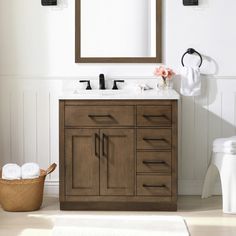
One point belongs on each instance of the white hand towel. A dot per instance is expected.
(30, 171)
(11, 171)
(190, 81)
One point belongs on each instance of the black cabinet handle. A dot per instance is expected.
(96, 140)
(99, 116)
(103, 119)
(155, 139)
(154, 186)
(155, 116)
(104, 142)
(154, 162)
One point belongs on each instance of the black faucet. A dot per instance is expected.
(88, 84)
(102, 81)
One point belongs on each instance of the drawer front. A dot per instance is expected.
(154, 162)
(154, 115)
(99, 116)
(151, 139)
(149, 185)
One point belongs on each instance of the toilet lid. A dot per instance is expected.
(225, 142)
(228, 150)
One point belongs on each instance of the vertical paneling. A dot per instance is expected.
(200, 137)
(17, 127)
(187, 142)
(214, 114)
(234, 113)
(30, 126)
(228, 114)
(54, 130)
(43, 128)
(5, 126)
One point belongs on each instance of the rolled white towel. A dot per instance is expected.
(11, 171)
(30, 171)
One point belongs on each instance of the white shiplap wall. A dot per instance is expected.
(29, 125)
(29, 122)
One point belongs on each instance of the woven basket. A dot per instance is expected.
(23, 194)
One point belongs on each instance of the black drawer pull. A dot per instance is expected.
(154, 162)
(154, 186)
(99, 116)
(96, 141)
(155, 116)
(104, 119)
(155, 139)
(104, 143)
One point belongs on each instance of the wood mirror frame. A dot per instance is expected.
(156, 59)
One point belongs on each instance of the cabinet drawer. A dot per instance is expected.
(153, 185)
(154, 162)
(99, 116)
(154, 115)
(154, 139)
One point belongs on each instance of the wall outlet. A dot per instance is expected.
(49, 2)
(190, 2)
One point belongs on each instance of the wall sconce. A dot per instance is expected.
(49, 2)
(190, 2)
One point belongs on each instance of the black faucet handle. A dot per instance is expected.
(115, 84)
(101, 76)
(102, 81)
(88, 84)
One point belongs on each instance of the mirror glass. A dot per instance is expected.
(118, 31)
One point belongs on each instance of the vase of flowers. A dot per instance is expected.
(166, 74)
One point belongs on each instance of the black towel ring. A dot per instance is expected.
(191, 51)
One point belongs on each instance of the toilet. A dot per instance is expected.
(223, 161)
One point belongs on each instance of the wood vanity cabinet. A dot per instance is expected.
(118, 155)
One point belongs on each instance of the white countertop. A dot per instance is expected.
(153, 94)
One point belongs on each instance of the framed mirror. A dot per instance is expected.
(118, 31)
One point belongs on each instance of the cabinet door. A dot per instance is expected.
(82, 161)
(117, 162)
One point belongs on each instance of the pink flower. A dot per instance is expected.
(164, 72)
(170, 73)
(161, 71)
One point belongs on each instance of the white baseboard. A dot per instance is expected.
(193, 187)
(186, 187)
(51, 189)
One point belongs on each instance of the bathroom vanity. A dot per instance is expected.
(118, 152)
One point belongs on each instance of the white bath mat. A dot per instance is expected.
(121, 225)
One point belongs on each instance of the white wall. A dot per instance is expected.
(38, 40)
(37, 62)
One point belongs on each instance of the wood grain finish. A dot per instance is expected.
(154, 116)
(99, 116)
(117, 162)
(159, 162)
(156, 59)
(151, 139)
(82, 162)
(105, 166)
(153, 185)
